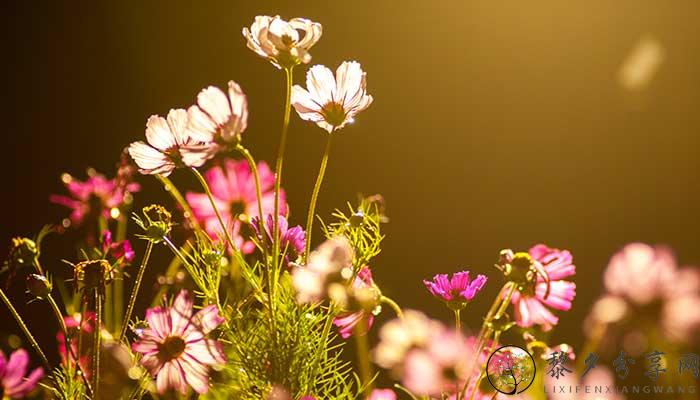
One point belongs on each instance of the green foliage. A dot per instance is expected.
(67, 386)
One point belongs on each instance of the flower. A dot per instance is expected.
(169, 146)
(174, 347)
(364, 290)
(279, 41)
(382, 394)
(532, 296)
(292, 240)
(233, 188)
(398, 336)
(331, 102)
(94, 198)
(13, 383)
(640, 273)
(79, 330)
(119, 250)
(328, 263)
(456, 293)
(216, 117)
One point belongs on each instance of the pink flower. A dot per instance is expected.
(169, 146)
(458, 291)
(13, 383)
(331, 102)
(217, 117)
(233, 188)
(382, 394)
(119, 250)
(175, 349)
(292, 240)
(347, 322)
(325, 264)
(93, 198)
(530, 302)
(279, 41)
(77, 328)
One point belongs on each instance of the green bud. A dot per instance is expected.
(93, 274)
(38, 285)
(357, 219)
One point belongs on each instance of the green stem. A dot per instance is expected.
(170, 272)
(135, 292)
(25, 330)
(180, 199)
(118, 283)
(314, 196)
(70, 354)
(393, 305)
(96, 341)
(205, 186)
(258, 191)
(363, 357)
(458, 320)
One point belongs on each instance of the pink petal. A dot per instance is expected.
(181, 312)
(159, 322)
(207, 319)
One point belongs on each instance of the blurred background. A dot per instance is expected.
(494, 125)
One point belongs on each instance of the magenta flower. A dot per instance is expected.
(93, 198)
(175, 350)
(292, 240)
(119, 250)
(169, 146)
(218, 117)
(458, 291)
(233, 187)
(530, 302)
(76, 329)
(13, 384)
(382, 394)
(347, 322)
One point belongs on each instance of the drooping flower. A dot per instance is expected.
(217, 117)
(119, 250)
(93, 198)
(233, 188)
(458, 291)
(13, 383)
(538, 276)
(324, 270)
(365, 295)
(331, 102)
(292, 240)
(280, 41)
(175, 349)
(169, 146)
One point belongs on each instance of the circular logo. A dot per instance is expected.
(510, 369)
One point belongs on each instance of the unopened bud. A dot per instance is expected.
(38, 285)
(357, 219)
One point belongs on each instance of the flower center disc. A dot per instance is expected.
(171, 348)
(333, 113)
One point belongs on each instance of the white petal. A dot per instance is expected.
(158, 133)
(177, 120)
(150, 160)
(321, 84)
(200, 126)
(214, 102)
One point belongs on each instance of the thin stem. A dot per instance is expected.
(96, 339)
(135, 292)
(205, 186)
(393, 305)
(258, 191)
(170, 272)
(180, 199)
(288, 72)
(314, 196)
(458, 320)
(69, 348)
(494, 345)
(363, 357)
(25, 330)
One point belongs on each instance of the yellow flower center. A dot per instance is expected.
(333, 113)
(171, 348)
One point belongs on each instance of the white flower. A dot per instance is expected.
(331, 102)
(332, 258)
(169, 146)
(279, 40)
(217, 117)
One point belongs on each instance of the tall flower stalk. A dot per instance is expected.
(25, 330)
(135, 291)
(314, 194)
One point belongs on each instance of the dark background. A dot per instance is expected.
(493, 126)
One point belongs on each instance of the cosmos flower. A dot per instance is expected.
(640, 273)
(329, 262)
(93, 198)
(217, 117)
(13, 383)
(169, 146)
(79, 330)
(292, 240)
(119, 250)
(531, 298)
(175, 349)
(363, 287)
(280, 41)
(331, 102)
(233, 188)
(458, 291)
(382, 394)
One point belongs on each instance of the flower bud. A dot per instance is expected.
(22, 252)
(93, 274)
(38, 285)
(357, 219)
(158, 222)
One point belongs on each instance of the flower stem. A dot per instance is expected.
(180, 199)
(25, 330)
(205, 186)
(314, 196)
(258, 191)
(96, 339)
(289, 75)
(393, 305)
(458, 320)
(70, 354)
(363, 358)
(135, 292)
